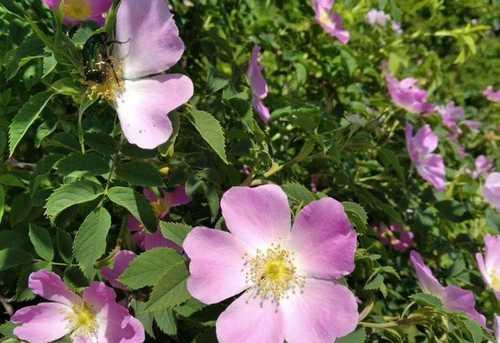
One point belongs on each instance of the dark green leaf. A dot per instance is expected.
(135, 203)
(42, 242)
(87, 164)
(139, 173)
(357, 215)
(211, 131)
(170, 290)
(12, 257)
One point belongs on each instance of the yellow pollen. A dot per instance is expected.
(77, 9)
(160, 206)
(324, 17)
(112, 84)
(495, 280)
(84, 319)
(272, 274)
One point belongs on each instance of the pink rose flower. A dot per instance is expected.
(491, 94)
(92, 317)
(148, 44)
(330, 21)
(489, 265)
(377, 18)
(396, 27)
(420, 147)
(454, 299)
(121, 262)
(78, 11)
(287, 274)
(395, 236)
(483, 166)
(491, 190)
(161, 207)
(451, 115)
(407, 95)
(258, 85)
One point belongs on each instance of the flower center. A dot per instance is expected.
(84, 319)
(495, 280)
(324, 17)
(77, 9)
(111, 84)
(160, 206)
(272, 273)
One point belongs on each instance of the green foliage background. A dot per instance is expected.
(77, 179)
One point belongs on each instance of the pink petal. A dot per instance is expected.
(144, 105)
(432, 169)
(156, 240)
(492, 252)
(491, 190)
(45, 322)
(151, 42)
(249, 320)
(216, 265)
(257, 81)
(497, 327)
(491, 94)
(456, 299)
(258, 216)
(52, 4)
(150, 195)
(99, 9)
(261, 110)
(323, 312)
(482, 269)
(425, 140)
(426, 279)
(49, 285)
(178, 196)
(122, 260)
(324, 240)
(98, 295)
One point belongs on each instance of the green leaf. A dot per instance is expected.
(357, 215)
(176, 232)
(135, 203)
(64, 245)
(139, 173)
(475, 330)
(90, 241)
(427, 299)
(87, 164)
(12, 257)
(2, 202)
(358, 336)
(299, 193)
(211, 131)
(170, 290)
(20, 208)
(25, 117)
(40, 238)
(147, 268)
(71, 194)
(166, 322)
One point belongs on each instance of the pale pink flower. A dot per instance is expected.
(483, 165)
(258, 85)
(395, 236)
(396, 27)
(377, 18)
(161, 206)
(78, 11)
(451, 115)
(473, 125)
(420, 147)
(491, 190)
(407, 95)
(491, 94)
(497, 328)
(287, 275)
(330, 21)
(122, 260)
(92, 317)
(489, 264)
(454, 299)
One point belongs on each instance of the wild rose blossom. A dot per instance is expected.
(258, 85)
(92, 317)
(78, 11)
(149, 43)
(454, 299)
(395, 236)
(396, 27)
(491, 94)
(288, 277)
(121, 262)
(451, 115)
(491, 190)
(161, 207)
(330, 21)
(420, 147)
(377, 18)
(489, 264)
(407, 95)
(483, 165)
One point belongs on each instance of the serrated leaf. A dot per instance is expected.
(25, 117)
(475, 330)
(147, 268)
(427, 299)
(90, 241)
(42, 242)
(358, 336)
(211, 131)
(139, 173)
(135, 203)
(87, 164)
(170, 290)
(356, 214)
(176, 232)
(71, 194)
(13, 257)
(64, 245)
(299, 193)
(165, 320)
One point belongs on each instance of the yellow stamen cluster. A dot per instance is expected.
(160, 206)
(84, 320)
(113, 83)
(324, 17)
(495, 280)
(77, 9)
(272, 274)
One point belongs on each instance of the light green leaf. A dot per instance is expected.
(71, 194)
(166, 322)
(2, 202)
(40, 238)
(427, 299)
(26, 116)
(475, 330)
(135, 203)
(90, 241)
(358, 336)
(170, 290)
(211, 131)
(176, 232)
(150, 266)
(139, 173)
(357, 215)
(298, 193)
(12, 257)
